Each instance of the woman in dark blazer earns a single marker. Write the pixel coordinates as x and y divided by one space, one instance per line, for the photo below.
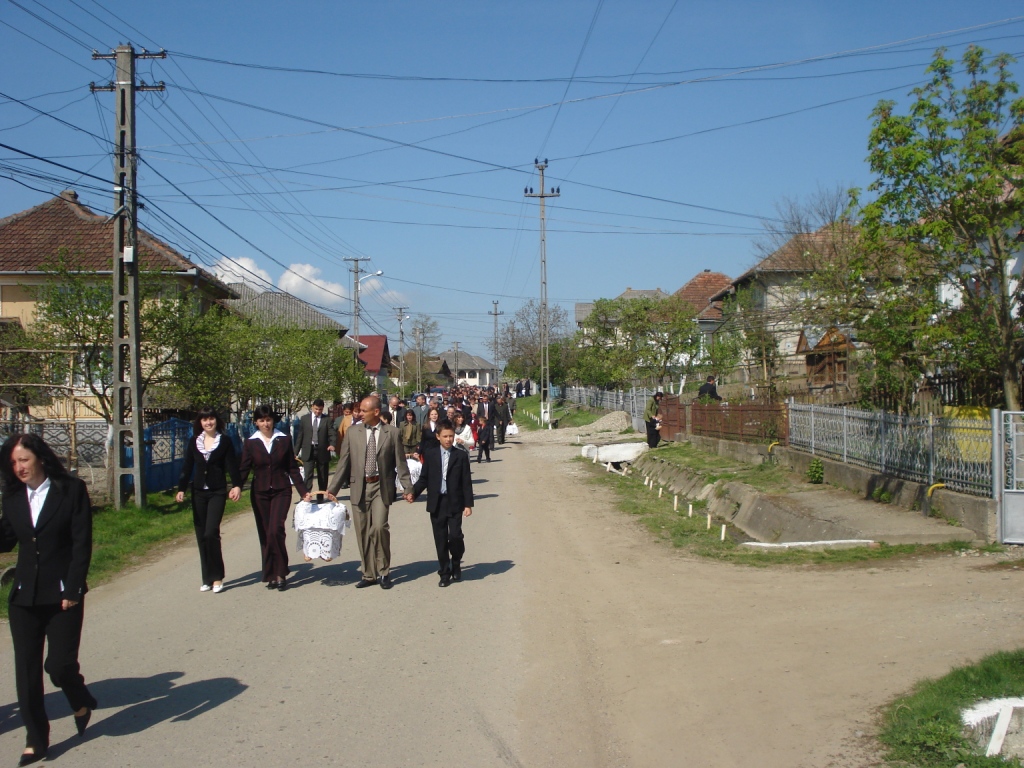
269 456
47 512
212 457
428 435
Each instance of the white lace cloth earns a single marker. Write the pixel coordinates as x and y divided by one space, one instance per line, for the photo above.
320 528
414 474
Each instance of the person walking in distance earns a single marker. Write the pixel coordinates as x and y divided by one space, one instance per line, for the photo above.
447 478
370 458
709 390
502 415
651 419
484 439
314 445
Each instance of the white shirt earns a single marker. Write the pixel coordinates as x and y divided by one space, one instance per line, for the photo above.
36 499
268 444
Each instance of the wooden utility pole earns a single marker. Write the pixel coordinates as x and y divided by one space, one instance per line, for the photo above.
545 361
127 405
495 313
456 363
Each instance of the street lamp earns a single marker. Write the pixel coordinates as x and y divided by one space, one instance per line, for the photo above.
355 299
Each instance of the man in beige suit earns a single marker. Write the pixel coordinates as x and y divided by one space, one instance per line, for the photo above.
369 458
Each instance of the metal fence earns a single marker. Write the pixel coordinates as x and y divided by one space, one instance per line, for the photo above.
632 401
957 452
77 443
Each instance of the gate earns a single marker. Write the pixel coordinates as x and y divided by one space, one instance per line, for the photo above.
1008 468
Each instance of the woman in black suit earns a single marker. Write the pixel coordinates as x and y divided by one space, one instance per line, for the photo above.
269 455
213 458
47 512
428 435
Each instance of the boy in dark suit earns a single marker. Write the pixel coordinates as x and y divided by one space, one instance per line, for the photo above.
449 484
484 439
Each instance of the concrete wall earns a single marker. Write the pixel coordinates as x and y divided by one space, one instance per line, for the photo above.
976 514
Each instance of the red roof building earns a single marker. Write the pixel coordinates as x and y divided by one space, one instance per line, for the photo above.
376 358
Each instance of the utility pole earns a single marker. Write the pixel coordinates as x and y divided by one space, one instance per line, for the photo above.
456 363
401 344
495 313
127 405
418 333
545 362
355 299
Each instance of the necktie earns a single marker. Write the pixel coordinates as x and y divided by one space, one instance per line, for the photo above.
371 453
316 427
444 472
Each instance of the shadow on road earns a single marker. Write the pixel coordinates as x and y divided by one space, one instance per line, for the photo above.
478 496
478 571
147 701
333 574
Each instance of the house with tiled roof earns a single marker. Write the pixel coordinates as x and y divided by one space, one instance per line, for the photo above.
31 240
697 292
776 287
376 359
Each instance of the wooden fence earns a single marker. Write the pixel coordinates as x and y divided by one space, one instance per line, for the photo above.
750 423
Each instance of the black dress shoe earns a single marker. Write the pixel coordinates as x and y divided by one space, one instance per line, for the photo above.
386 582
363 583
456 572
27 758
271 585
446 579
81 721
282 585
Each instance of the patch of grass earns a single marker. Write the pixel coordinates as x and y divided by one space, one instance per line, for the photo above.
122 538
524 407
576 417
692 535
923 727
766 477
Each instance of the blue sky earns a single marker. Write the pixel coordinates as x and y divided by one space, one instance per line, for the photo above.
668 131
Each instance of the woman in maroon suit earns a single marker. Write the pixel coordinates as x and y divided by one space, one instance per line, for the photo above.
269 455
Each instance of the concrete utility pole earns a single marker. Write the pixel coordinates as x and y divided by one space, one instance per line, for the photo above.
401 344
545 362
127 405
418 333
456 363
495 313
356 280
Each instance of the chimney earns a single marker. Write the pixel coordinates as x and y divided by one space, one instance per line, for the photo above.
69 195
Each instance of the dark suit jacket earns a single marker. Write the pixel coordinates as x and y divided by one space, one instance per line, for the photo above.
304 439
460 480
223 462
489 414
428 436
58 549
271 471
502 414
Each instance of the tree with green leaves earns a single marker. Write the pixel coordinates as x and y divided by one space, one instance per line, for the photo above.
945 220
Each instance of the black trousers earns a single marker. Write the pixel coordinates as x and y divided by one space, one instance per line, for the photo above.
653 436
483 448
207 513
501 432
61 631
271 510
448 540
322 468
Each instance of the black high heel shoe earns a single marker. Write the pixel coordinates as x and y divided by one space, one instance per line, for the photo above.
27 758
83 720
271 585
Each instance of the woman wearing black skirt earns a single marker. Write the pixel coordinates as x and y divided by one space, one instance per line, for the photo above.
46 512
212 456
269 455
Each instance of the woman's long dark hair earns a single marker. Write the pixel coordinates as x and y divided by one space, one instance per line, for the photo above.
51 464
206 412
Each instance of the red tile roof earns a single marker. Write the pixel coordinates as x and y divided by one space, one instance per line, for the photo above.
30 240
375 356
698 292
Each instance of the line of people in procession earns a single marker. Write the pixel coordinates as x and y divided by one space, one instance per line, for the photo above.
47 513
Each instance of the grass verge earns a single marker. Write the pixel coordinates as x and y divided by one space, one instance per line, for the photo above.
566 415
691 534
525 407
125 537
923 728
